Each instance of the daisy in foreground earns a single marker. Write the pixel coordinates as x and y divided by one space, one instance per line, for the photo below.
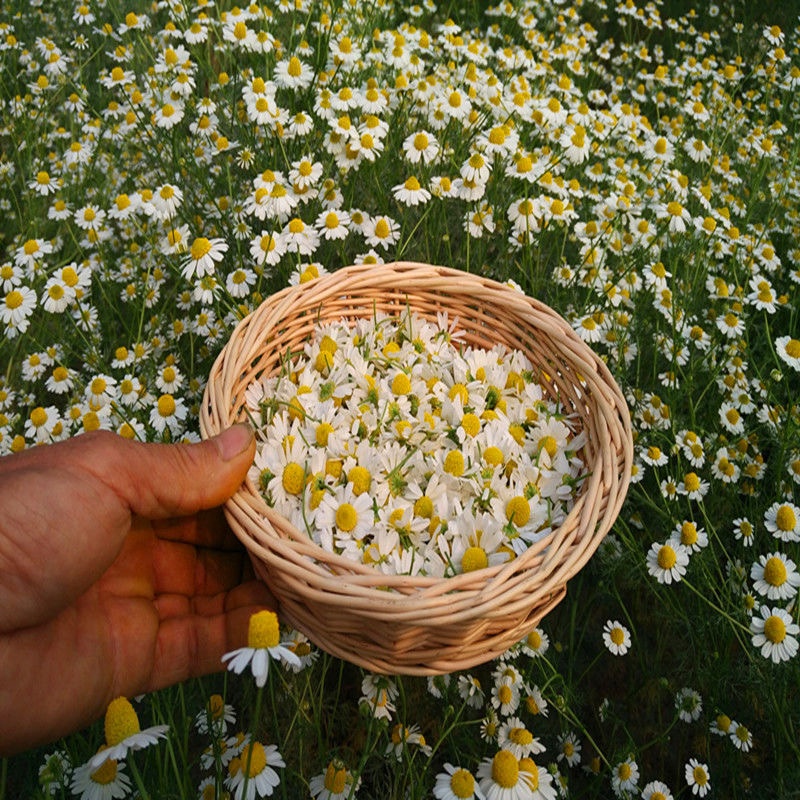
335 783
263 644
775 633
106 782
505 777
124 734
251 774
456 783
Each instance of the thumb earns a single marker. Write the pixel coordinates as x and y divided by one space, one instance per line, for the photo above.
170 480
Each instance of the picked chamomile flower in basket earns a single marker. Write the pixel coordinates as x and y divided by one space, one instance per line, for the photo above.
392 443
263 645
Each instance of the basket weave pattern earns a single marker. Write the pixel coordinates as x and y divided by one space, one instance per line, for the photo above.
424 625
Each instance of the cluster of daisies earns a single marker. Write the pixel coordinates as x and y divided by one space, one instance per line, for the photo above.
393 443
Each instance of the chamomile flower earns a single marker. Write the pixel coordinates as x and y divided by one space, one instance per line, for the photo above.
421 146
688 704
741 737
106 781
625 777
616 637
204 254
775 576
252 773
501 778
697 777
788 350
782 520
123 734
456 783
513 735
569 749
410 192
470 690
215 717
775 633
263 645
336 782
656 790
536 643
378 694
505 696
667 562
381 231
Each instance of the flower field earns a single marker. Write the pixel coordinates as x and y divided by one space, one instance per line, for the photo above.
166 166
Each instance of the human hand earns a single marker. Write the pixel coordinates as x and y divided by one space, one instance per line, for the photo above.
118 575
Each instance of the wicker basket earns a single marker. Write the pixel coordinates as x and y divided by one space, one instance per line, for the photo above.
424 625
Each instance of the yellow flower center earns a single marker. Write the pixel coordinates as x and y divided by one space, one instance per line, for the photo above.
106 773
688 533
346 517
474 558
775 629
38 417
256 756
691 481
382 228
617 636
549 444
493 456
200 247
293 478
263 630
667 557
401 384
674 208
471 424
120 721
793 348
423 507
527 765
775 571
216 706
517 433
462 783
296 225
454 463
295 68
324 430
166 405
518 511
700 776
505 769
624 771
520 736
335 777
412 184
14 299
785 518
361 479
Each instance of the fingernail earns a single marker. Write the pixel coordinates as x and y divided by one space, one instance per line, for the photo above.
234 440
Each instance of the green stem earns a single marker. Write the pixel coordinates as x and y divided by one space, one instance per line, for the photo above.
137 778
